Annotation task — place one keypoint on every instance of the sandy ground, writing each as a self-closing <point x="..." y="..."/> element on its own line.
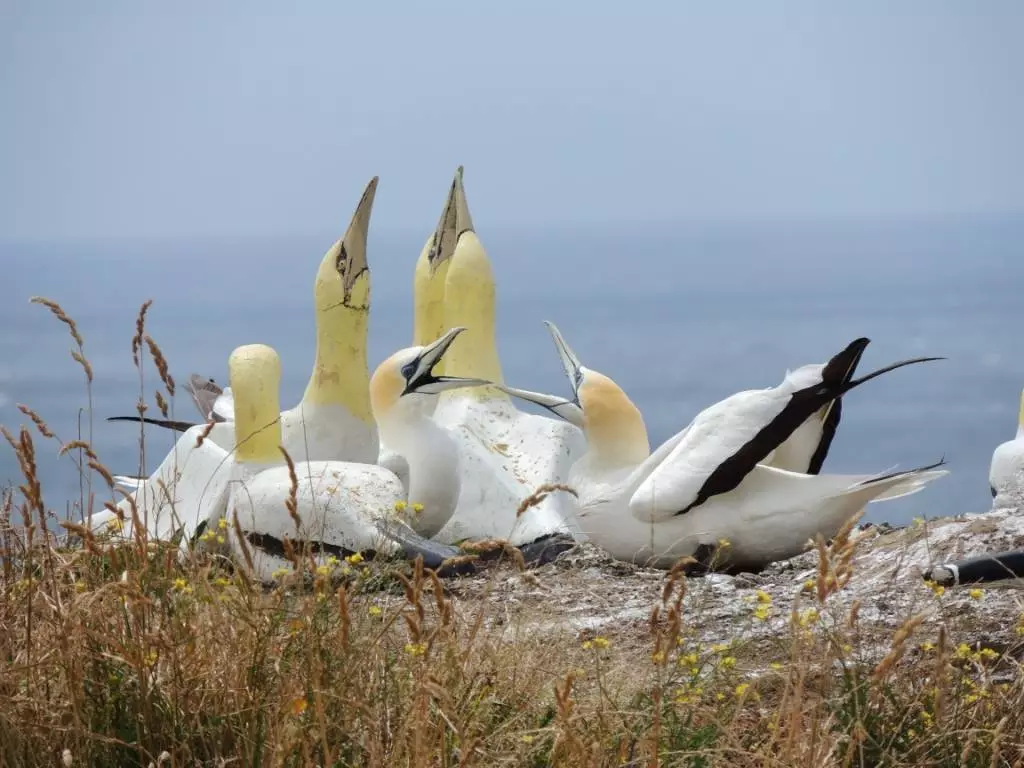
<point x="585" y="593"/>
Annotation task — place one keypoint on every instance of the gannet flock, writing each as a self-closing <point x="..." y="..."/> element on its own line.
<point x="430" y="451"/>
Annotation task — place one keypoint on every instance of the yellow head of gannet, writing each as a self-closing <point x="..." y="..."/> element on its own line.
<point x="613" y="425"/>
<point x="342" y="299"/>
<point x="469" y="297"/>
<point x="254" y="371"/>
<point x="429" y="280"/>
<point x="412" y="371"/>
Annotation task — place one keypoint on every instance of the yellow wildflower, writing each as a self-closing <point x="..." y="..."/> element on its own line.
<point x="80" y="586"/>
<point x="355" y="559"/>
<point x="400" y="506"/>
<point x="323" y="570"/>
<point x="762" y="612"/>
<point x="729" y="662"/>
<point x="115" y="524"/>
<point x="279" y="573"/>
<point x="988" y="653"/>
<point x="221" y="539"/>
<point x="182" y="586"/>
<point x="658" y="657"/>
<point x="742" y="689"/>
<point x="689" y="659"/>
<point x="763" y="597"/>
<point x="775" y="665"/>
<point x="808" y="617"/>
<point x="976" y="594"/>
<point x="719" y="647"/>
<point x="724" y="543"/>
<point x="926" y="719"/>
<point x="719" y="696"/>
<point x="963" y="651"/>
<point x="417" y="507"/>
<point x="938" y="589"/>
<point x="375" y="610"/>
<point x="416" y="649"/>
<point x="601" y="642"/>
<point x="526" y="738"/>
<point x="151" y="658"/>
<point x="222" y="524"/>
<point x="928" y="646"/>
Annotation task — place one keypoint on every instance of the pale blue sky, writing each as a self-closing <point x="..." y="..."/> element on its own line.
<point x="139" y="118"/>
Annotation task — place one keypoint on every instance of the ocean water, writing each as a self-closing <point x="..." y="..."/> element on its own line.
<point x="680" y="315"/>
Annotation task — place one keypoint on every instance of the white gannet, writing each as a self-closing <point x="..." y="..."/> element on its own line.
<point x="705" y="486"/>
<point x="333" y="421"/>
<point x="188" y="489"/>
<point x="506" y="453"/>
<point x="996" y="569"/>
<point x="1006" y="472"/>
<point x="340" y="503"/>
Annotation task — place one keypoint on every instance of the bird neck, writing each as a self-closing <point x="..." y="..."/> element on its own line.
<point x="428" y="301"/>
<point x="432" y="457"/>
<point x="469" y="301"/>
<point x="257" y="420"/>
<point x="340" y="375"/>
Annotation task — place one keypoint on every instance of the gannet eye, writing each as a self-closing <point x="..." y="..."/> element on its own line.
<point x="408" y="370"/>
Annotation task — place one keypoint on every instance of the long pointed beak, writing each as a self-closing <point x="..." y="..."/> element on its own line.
<point x="455" y="220"/>
<point x="424" y="381"/>
<point x="841" y="367"/>
<point x="570" y="363"/>
<point x="863" y="379"/>
<point x="351" y="260"/>
<point x="564" y="409"/>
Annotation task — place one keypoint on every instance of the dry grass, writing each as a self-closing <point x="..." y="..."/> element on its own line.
<point x="120" y="654"/>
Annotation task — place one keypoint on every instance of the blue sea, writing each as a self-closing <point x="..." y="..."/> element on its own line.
<point x="680" y="315"/>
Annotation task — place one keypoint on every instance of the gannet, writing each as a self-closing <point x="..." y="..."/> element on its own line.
<point x="333" y="421"/>
<point x="339" y="503"/>
<point x="1006" y="472"/>
<point x="188" y="489"/>
<point x="705" y="492"/>
<point x="507" y="454"/>
<point x="1000" y="569"/>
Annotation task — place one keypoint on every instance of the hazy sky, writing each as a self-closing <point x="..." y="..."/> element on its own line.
<point x="144" y="118"/>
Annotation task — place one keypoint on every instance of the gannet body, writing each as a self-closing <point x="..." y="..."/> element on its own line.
<point x="333" y="421"/>
<point x="506" y="453"/>
<point x="704" y="492"/>
<point x="1006" y="472"/>
<point x="339" y="504"/>
<point x="188" y="489"/>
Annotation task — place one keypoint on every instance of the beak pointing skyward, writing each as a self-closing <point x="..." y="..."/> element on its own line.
<point x="570" y="363"/>
<point x="418" y="373"/>
<point x="351" y="258"/>
<point x="455" y="220"/>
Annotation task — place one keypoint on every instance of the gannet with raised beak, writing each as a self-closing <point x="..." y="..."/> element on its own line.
<point x="506" y="453"/>
<point x="333" y="421"/>
<point x="1006" y="472"/>
<point x="339" y="503"/>
<point x="705" y="492"/>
